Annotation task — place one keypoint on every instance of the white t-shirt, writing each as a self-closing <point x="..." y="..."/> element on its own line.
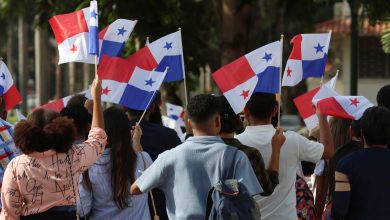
<point x="281" y="204"/>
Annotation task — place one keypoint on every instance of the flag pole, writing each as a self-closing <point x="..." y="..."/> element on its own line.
<point x="96" y="74"/>
<point x="151" y="99"/>
<point x="147" y="41"/>
<point x="280" y="77"/>
<point x="184" y="77"/>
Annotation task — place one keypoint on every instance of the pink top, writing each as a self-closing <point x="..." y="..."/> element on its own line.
<point x="37" y="182"/>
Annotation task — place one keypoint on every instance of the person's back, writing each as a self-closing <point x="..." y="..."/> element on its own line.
<point x="259" y="111"/>
<point x="281" y="203"/>
<point x="187" y="172"/>
<point x="104" y="189"/>
<point x="102" y="204"/>
<point x="362" y="179"/>
<point x="369" y="174"/>
<point x="157" y="138"/>
<point x="41" y="183"/>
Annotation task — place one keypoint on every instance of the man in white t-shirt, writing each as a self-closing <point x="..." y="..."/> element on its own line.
<point x="259" y="111"/>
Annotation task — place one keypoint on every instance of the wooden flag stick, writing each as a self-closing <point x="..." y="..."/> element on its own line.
<point x="151" y="99"/>
<point x="280" y="77"/>
<point x="96" y="74"/>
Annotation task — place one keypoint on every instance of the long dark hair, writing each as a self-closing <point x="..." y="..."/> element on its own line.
<point x="123" y="157"/>
<point x="44" y="130"/>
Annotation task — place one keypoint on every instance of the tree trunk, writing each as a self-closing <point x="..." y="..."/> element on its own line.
<point x="10" y="45"/>
<point x="59" y="81"/>
<point x="22" y="44"/>
<point x="41" y="67"/>
<point x="72" y="78"/>
<point x="234" y="17"/>
<point x="87" y="75"/>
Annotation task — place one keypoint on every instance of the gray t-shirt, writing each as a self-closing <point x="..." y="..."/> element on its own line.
<point x="187" y="173"/>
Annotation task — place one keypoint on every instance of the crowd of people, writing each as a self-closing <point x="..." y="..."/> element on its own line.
<point x="88" y="163"/>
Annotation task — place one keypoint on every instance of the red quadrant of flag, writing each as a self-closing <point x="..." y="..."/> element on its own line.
<point x="67" y="25"/>
<point x="330" y="106"/>
<point x="115" y="68"/>
<point x="296" y="52"/>
<point x="233" y="74"/>
<point x="304" y="103"/>
<point x="143" y="59"/>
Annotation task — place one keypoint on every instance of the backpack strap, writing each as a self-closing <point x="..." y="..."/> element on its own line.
<point x="228" y="169"/>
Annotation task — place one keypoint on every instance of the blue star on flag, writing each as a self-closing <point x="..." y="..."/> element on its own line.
<point x="94" y="14"/>
<point x="2" y="75"/>
<point x="121" y="31"/>
<point x="319" y="48"/>
<point x="149" y="82"/>
<point x="267" y="56"/>
<point x="168" y="45"/>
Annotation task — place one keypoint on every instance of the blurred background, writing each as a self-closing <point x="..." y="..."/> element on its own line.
<point x="214" y="33"/>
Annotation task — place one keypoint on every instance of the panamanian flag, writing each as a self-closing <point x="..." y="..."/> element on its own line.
<point x="8" y="90"/>
<point x="71" y="32"/>
<point x="128" y="85"/>
<point x="56" y="105"/>
<point x="257" y="71"/>
<point x="349" y="107"/>
<point x="307" y="59"/>
<point x="160" y="54"/>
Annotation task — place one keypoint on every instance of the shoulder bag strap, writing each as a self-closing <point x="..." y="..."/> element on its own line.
<point x="229" y="163"/>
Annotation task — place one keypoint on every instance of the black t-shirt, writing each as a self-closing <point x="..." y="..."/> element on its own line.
<point x="368" y="172"/>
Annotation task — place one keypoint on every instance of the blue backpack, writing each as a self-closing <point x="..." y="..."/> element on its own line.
<point x="228" y="198"/>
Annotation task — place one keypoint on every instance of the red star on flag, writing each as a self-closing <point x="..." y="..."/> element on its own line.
<point x="245" y="93"/>
<point x="74" y="48"/>
<point x="105" y="91"/>
<point x="354" y="102"/>
<point x="289" y="72"/>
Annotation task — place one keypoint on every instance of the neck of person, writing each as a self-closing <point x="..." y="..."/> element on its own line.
<point x="255" y="122"/>
<point x="198" y="132"/>
<point x="226" y="135"/>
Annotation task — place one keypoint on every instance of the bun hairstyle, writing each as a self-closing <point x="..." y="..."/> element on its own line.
<point x="44" y="130"/>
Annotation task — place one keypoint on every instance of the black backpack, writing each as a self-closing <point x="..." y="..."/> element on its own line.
<point x="228" y="198"/>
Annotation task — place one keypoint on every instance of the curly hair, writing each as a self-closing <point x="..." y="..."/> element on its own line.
<point x="44" y="130"/>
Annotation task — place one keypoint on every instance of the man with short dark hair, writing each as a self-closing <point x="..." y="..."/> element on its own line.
<point x="230" y="124"/>
<point x="363" y="178"/>
<point x="259" y="111"/>
<point x="383" y="97"/>
<point x="187" y="172"/>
